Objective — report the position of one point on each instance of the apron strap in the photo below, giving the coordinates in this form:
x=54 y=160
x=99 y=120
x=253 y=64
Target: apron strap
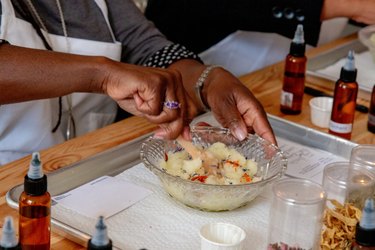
x=26 y=14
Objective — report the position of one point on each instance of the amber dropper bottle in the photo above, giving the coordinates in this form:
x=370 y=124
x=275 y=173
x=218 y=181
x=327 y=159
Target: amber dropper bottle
x=294 y=75
x=344 y=100
x=371 y=114
x=35 y=209
x=8 y=239
x=365 y=230
x=100 y=240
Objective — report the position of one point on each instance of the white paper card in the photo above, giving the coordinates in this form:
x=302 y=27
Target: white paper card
x=306 y=162
x=104 y=196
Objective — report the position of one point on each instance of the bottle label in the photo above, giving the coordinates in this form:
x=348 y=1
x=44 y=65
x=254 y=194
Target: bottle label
x=286 y=99
x=371 y=119
x=340 y=127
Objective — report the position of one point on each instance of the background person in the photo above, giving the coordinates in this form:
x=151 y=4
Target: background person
x=244 y=36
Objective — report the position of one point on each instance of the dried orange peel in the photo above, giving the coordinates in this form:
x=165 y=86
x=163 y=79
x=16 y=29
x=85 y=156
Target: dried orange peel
x=339 y=225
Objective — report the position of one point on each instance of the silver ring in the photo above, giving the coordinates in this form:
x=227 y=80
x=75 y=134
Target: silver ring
x=172 y=104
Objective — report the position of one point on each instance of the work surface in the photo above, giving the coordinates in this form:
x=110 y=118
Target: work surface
x=265 y=84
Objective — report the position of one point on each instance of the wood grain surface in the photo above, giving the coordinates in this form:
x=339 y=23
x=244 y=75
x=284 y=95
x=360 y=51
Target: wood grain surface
x=265 y=84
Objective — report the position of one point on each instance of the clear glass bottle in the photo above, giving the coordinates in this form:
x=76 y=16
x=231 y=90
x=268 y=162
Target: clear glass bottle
x=294 y=75
x=35 y=209
x=344 y=100
x=371 y=115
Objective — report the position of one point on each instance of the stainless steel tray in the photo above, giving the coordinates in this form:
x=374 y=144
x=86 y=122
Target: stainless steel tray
x=330 y=57
x=124 y=156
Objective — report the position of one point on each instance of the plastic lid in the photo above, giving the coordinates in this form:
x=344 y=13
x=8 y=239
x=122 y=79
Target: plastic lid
x=100 y=238
x=298 y=46
x=35 y=182
x=365 y=230
x=348 y=71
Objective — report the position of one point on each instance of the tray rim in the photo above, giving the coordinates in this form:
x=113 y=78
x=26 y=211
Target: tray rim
x=80 y=237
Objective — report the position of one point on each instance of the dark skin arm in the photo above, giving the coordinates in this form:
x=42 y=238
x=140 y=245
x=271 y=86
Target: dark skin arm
x=30 y=74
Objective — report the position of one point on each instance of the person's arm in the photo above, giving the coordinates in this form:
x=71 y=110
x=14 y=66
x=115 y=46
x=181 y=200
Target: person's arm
x=362 y=11
x=30 y=74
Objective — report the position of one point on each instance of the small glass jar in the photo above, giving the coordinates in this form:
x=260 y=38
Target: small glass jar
x=296 y=214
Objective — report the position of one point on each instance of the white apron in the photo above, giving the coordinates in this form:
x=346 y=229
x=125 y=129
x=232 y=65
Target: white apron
x=26 y=127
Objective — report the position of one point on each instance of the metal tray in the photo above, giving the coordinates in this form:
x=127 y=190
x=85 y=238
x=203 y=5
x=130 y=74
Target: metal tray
x=330 y=57
x=124 y=156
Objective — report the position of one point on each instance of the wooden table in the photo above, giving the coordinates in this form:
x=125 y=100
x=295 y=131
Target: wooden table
x=265 y=84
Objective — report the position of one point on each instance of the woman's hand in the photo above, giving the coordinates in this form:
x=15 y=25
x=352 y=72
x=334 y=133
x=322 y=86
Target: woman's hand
x=232 y=103
x=145 y=91
x=235 y=107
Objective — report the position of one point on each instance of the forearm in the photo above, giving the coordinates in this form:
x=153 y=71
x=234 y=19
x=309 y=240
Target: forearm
x=335 y=8
x=359 y=10
x=29 y=74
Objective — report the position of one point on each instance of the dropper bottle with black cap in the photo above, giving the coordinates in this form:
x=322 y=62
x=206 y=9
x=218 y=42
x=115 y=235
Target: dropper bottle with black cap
x=35 y=209
x=294 y=75
x=344 y=100
x=365 y=230
x=100 y=239
x=8 y=239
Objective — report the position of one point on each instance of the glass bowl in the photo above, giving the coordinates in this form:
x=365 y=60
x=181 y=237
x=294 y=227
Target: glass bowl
x=210 y=197
x=367 y=37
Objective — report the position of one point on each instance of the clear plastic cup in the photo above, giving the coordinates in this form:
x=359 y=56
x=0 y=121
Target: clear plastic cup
x=222 y=236
x=335 y=180
x=320 y=111
x=296 y=214
x=364 y=155
x=361 y=179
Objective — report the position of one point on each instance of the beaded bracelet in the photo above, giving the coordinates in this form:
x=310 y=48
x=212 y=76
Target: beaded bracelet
x=200 y=83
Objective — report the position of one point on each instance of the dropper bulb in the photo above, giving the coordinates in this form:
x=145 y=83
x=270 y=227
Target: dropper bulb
x=299 y=35
x=100 y=236
x=35 y=168
x=368 y=215
x=350 y=63
x=8 y=239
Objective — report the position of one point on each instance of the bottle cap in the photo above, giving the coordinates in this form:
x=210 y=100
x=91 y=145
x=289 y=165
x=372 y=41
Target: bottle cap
x=8 y=240
x=348 y=71
x=365 y=229
x=100 y=240
x=298 y=46
x=35 y=182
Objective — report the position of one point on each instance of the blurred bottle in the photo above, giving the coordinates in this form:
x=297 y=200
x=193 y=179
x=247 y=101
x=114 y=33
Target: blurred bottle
x=371 y=115
x=35 y=209
x=100 y=239
x=344 y=100
x=294 y=75
x=8 y=239
x=365 y=230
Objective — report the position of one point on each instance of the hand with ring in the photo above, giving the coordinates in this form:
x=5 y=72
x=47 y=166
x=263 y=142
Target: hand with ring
x=154 y=93
x=232 y=103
